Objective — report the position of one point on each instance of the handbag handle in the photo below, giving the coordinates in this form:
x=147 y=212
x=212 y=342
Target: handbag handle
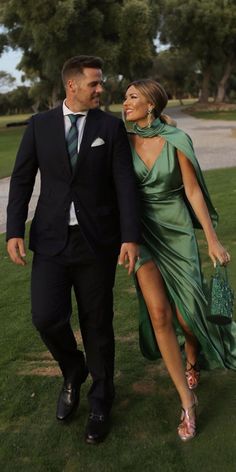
x=218 y=271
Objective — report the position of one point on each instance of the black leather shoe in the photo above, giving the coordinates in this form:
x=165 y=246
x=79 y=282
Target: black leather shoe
x=69 y=397
x=97 y=428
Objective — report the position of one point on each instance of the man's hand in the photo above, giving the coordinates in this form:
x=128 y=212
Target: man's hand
x=16 y=250
x=129 y=253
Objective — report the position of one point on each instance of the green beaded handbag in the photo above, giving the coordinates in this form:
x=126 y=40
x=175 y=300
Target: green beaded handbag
x=221 y=297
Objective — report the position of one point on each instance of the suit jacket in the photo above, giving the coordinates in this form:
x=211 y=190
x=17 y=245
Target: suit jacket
x=102 y=186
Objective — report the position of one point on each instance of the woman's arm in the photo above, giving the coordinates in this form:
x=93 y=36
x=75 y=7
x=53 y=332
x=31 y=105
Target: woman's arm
x=195 y=197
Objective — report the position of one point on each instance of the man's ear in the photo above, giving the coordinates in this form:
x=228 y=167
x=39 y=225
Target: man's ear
x=71 y=85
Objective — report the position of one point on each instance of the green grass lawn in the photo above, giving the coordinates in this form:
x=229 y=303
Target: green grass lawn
x=171 y=103
x=4 y=120
x=9 y=142
x=146 y=410
x=214 y=115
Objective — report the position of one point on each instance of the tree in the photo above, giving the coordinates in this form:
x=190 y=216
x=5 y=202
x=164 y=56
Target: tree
x=221 y=89
x=2 y=42
x=3 y=35
x=137 y=31
x=177 y=72
x=204 y=28
x=16 y=101
x=19 y=100
x=228 y=48
x=50 y=32
x=231 y=87
x=6 y=80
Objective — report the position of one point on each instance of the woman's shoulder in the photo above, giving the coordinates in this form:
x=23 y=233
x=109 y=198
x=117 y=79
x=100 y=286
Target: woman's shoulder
x=179 y=135
x=177 y=130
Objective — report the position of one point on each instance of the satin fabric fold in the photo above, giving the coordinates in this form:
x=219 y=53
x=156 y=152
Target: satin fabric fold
x=169 y=240
x=181 y=141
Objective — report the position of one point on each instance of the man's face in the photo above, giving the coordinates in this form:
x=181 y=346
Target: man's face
x=85 y=89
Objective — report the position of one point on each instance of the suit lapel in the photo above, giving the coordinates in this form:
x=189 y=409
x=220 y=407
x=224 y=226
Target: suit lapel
x=60 y=140
x=89 y=134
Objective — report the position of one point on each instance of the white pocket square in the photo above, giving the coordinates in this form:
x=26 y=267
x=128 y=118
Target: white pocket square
x=97 y=142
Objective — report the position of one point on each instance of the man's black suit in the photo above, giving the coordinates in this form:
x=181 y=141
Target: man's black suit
x=102 y=188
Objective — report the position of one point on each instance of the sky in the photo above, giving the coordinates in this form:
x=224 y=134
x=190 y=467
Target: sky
x=8 y=63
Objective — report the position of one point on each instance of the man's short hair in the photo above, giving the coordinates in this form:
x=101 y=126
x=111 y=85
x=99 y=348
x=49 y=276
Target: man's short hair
x=75 y=65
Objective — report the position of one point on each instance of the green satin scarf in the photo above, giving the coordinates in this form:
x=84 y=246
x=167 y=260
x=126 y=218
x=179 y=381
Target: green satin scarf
x=181 y=141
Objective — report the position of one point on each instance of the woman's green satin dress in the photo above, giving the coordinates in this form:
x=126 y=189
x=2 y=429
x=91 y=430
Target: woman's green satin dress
x=169 y=239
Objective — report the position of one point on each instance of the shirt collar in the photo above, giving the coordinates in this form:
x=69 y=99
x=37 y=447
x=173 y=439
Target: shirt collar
x=67 y=111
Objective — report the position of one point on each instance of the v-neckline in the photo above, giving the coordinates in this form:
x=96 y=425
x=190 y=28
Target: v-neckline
x=154 y=163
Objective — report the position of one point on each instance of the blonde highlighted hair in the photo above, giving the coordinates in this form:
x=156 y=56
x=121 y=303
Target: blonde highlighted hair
x=156 y=94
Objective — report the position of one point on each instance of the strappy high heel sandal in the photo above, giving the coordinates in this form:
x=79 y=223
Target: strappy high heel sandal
x=187 y=427
x=192 y=375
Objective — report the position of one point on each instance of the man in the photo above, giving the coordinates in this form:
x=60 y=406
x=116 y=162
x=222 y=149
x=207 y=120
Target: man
x=87 y=207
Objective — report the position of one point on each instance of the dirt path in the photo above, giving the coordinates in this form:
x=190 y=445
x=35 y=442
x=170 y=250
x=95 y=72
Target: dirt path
x=214 y=140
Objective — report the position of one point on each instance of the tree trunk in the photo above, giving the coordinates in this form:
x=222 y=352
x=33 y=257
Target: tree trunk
x=204 y=93
x=220 y=96
x=35 y=106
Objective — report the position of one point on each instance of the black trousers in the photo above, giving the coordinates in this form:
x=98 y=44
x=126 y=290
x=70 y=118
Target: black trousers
x=92 y=278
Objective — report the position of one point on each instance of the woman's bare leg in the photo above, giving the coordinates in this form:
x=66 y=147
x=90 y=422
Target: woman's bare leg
x=151 y=284
x=191 y=350
x=191 y=342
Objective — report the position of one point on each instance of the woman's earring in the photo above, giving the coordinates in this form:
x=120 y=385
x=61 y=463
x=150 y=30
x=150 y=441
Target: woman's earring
x=149 y=117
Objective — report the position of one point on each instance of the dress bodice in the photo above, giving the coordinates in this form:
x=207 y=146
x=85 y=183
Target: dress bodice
x=163 y=179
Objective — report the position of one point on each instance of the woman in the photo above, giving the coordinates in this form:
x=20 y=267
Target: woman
x=174 y=199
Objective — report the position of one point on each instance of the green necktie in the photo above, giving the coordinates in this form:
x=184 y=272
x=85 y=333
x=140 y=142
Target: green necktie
x=72 y=140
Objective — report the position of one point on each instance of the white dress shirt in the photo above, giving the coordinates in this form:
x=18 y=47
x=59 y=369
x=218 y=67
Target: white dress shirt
x=80 y=126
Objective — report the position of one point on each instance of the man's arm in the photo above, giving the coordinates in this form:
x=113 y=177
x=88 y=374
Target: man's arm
x=21 y=188
x=126 y=187
x=127 y=195
x=21 y=185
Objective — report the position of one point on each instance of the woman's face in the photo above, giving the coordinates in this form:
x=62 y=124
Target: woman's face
x=136 y=106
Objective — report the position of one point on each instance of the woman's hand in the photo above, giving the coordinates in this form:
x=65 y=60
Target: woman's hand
x=218 y=253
